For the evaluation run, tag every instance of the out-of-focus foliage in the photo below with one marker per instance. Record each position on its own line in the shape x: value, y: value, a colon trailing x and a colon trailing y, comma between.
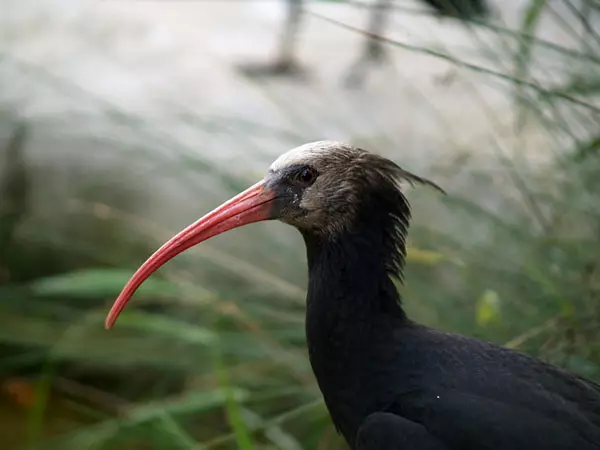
x: 211, y: 352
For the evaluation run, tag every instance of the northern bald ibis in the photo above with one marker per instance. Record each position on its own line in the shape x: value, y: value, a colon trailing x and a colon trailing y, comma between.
x: 285, y: 62
x: 388, y: 382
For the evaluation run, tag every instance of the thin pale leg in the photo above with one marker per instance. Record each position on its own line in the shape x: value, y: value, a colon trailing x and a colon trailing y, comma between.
x: 373, y: 52
x: 285, y: 62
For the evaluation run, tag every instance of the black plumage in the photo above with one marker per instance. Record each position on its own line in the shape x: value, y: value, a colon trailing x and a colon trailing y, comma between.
x: 462, y: 9
x: 388, y: 382
x: 369, y: 357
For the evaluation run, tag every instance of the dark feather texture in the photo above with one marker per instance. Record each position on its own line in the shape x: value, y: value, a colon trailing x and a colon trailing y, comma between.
x: 462, y: 9
x: 447, y: 391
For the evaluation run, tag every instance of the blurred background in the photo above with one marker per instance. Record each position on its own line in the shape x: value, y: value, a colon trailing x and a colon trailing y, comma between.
x: 122, y: 121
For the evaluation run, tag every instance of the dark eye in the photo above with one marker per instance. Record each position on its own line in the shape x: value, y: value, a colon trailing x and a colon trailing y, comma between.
x: 306, y: 176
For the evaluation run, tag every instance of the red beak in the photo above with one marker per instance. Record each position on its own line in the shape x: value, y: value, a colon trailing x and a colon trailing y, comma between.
x: 252, y: 205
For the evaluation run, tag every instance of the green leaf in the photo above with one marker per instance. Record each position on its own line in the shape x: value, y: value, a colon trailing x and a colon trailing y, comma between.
x: 523, y: 56
x: 426, y: 257
x: 167, y: 326
x: 234, y: 411
x: 158, y: 414
x: 589, y: 148
x: 94, y: 283
x: 488, y: 308
x: 273, y: 432
x: 193, y: 402
x: 582, y: 85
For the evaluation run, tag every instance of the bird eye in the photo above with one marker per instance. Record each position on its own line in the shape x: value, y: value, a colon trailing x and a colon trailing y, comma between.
x: 306, y: 176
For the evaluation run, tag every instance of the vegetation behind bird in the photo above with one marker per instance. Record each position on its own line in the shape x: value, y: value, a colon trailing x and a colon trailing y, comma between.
x: 214, y: 353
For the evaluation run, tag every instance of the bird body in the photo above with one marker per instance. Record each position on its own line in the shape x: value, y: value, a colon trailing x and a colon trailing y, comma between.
x: 463, y: 9
x: 369, y: 357
x: 388, y: 382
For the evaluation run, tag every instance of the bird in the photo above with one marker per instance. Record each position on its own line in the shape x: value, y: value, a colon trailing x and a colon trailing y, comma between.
x: 285, y: 63
x: 389, y: 382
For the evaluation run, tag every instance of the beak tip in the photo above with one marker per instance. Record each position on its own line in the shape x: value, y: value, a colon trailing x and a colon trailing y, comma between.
x: 251, y: 205
x: 109, y: 322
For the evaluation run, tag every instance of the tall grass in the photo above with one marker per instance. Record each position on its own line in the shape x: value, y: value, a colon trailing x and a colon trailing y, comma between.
x: 211, y: 353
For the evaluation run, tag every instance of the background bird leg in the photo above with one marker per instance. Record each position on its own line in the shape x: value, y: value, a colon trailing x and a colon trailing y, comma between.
x: 373, y: 52
x: 285, y: 62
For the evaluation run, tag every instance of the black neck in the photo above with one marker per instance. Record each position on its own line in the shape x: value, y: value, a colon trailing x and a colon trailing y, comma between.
x: 350, y: 274
x: 352, y: 307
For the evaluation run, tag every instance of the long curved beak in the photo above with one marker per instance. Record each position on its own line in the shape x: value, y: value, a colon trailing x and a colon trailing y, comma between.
x: 252, y: 205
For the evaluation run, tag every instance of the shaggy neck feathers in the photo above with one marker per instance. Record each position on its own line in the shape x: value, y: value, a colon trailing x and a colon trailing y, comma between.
x: 351, y: 272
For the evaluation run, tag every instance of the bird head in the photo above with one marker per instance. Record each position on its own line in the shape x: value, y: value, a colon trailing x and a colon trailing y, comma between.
x: 321, y: 188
